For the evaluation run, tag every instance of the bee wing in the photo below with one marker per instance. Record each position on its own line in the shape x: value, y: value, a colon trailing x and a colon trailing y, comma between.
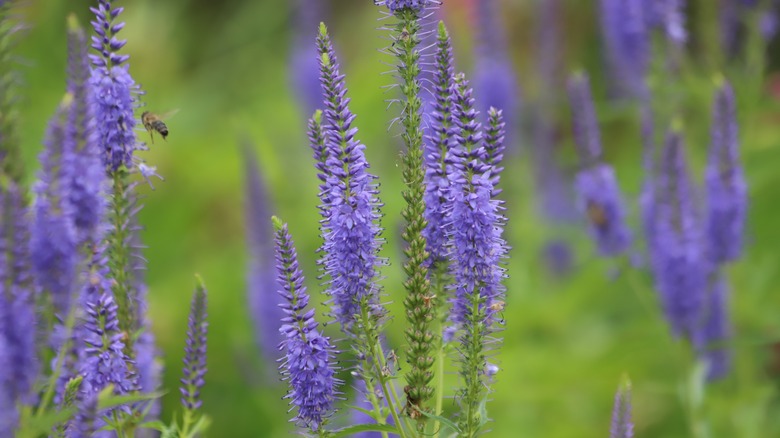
x: 169, y: 114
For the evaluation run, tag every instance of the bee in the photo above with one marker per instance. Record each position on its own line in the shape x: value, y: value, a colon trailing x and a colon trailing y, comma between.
x: 596, y: 214
x: 497, y: 306
x: 152, y: 122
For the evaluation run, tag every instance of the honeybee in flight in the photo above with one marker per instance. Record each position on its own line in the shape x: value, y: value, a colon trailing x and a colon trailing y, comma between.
x: 596, y: 214
x: 152, y: 122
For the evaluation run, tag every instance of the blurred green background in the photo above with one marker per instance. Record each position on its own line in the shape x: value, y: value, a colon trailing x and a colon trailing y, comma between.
x: 225, y: 65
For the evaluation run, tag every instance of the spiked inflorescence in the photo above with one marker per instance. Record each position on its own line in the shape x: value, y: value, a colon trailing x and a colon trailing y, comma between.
x: 195, y: 351
x: 599, y: 195
x: 622, y: 426
x: 627, y: 41
x: 350, y: 206
x: 419, y: 310
x: 478, y: 248
x: 308, y: 355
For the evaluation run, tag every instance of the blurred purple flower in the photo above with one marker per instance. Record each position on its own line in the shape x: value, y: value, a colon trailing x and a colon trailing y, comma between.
x: 437, y: 146
x: 53, y: 238
x: 112, y: 89
x: 596, y: 185
x: 308, y: 361
x: 727, y: 196
x: 83, y: 425
x: 679, y: 261
x: 717, y: 330
x: 304, y: 67
x: 360, y: 417
x: 261, y: 286
x: 559, y: 257
x: 495, y: 80
x: 622, y: 426
x: 195, y: 351
x: 351, y: 207
x: 82, y: 161
x: 627, y: 43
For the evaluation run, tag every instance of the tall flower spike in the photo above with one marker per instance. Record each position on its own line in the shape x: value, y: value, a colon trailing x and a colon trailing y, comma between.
x: 261, y: 284
x: 82, y: 160
x: 627, y: 42
x: 308, y: 361
x: 195, y: 351
x: 53, y: 239
x: 413, y: 5
x: 495, y: 145
x: 478, y: 248
x: 420, y: 312
x: 679, y: 260
x: 351, y: 229
x: 595, y: 182
x: 622, y: 426
x: 495, y: 80
x: 727, y: 197
x: 437, y: 147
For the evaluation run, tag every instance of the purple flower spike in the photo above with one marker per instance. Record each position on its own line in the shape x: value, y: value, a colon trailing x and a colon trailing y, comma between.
x: 53, y: 238
x: 627, y: 42
x: 308, y: 361
x: 112, y: 90
x: 105, y: 362
x: 17, y: 304
x: 727, y: 197
x: 415, y: 5
x: 84, y: 423
x: 195, y: 351
x: 495, y: 81
x: 350, y: 204
x: 261, y: 283
x: 679, y: 261
x: 477, y: 223
x: 717, y: 330
x: 304, y: 69
x: 596, y: 185
x: 82, y: 160
x: 622, y: 426
x: 437, y: 147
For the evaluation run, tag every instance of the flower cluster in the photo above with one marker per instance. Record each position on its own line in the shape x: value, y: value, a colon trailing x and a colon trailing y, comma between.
x: 195, y: 351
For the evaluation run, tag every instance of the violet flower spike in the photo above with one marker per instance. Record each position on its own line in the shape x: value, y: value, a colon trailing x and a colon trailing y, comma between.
x: 717, y: 330
x: 195, y: 351
x: 627, y: 42
x: 679, y: 261
x: 727, y: 196
x: 622, y: 426
x: 596, y: 185
x: 112, y: 89
x: 304, y: 68
x: 53, y: 238
x: 351, y: 230
x: 417, y: 5
x: 261, y: 280
x: 308, y: 361
x: 437, y: 147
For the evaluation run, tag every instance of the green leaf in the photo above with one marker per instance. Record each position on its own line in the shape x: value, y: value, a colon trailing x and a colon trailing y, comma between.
x: 43, y: 424
x: 350, y: 430
x: 446, y: 422
x: 107, y: 401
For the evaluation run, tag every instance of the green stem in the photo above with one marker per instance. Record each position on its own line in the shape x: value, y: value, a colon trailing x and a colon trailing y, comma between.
x: 119, y: 256
x: 437, y: 287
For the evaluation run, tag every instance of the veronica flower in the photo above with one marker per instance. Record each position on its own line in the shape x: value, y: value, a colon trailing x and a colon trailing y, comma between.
x: 437, y: 147
x: 261, y: 285
x: 622, y: 426
x: 303, y: 62
x: 627, y: 42
x: 351, y: 230
x: 679, y: 260
x: 19, y: 365
x: 495, y: 81
x: 669, y: 15
x: 53, y: 237
x: 596, y: 185
x: 726, y: 187
x: 84, y: 423
x: 11, y: 165
x: 195, y: 351
x: 86, y: 187
x: 416, y: 5
x: 477, y: 251
x: 308, y: 361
